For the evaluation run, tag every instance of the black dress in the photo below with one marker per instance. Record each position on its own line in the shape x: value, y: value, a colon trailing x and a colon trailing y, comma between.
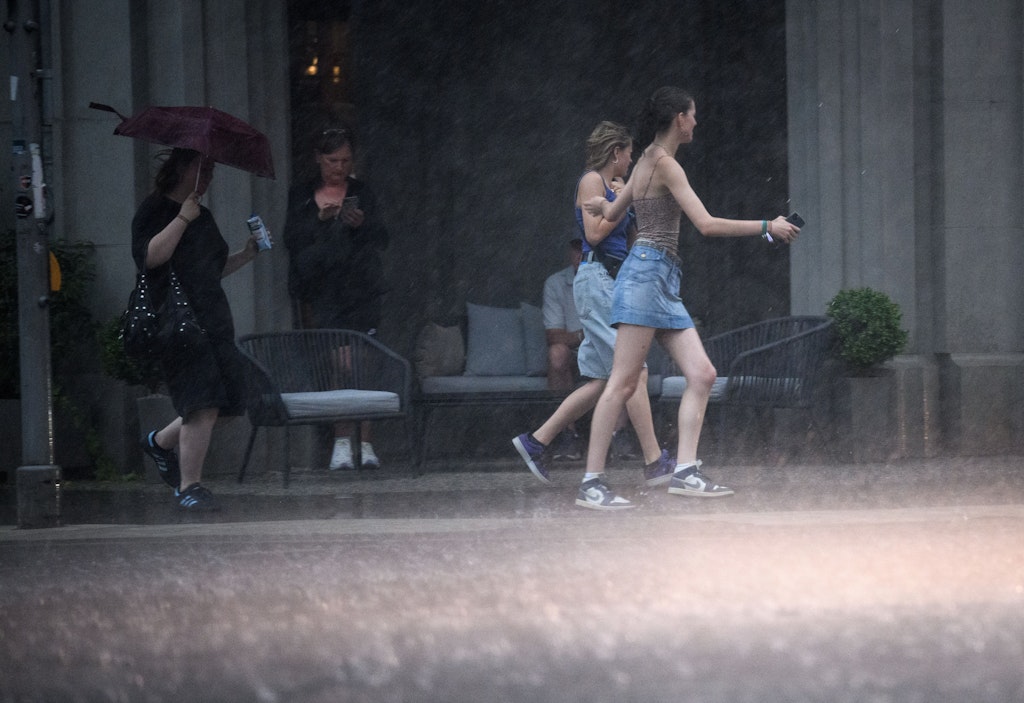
x: 336, y: 270
x: 213, y: 375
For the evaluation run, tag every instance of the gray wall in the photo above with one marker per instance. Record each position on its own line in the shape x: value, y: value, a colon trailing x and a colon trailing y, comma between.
x: 907, y: 143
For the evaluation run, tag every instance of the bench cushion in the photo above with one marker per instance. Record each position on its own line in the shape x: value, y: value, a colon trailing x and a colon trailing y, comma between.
x: 340, y: 402
x: 482, y: 384
x: 439, y: 351
x: 495, y: 343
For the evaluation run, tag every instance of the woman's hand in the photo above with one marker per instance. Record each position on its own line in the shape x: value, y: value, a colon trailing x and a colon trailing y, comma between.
x: 595, y: 206
x: 783, y: 230
x: 353, y: 217
x: 252, y: 245
x: 329, y: 211
x: 190, y: 207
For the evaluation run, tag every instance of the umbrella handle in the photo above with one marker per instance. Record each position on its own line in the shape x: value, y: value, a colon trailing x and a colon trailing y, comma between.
x: 106, y: 108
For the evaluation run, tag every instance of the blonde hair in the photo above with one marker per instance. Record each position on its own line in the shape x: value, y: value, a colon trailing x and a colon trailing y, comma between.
x: 603, y: 141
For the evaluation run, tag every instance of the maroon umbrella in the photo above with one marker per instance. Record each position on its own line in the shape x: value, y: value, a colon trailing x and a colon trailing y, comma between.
x: 214, y: 134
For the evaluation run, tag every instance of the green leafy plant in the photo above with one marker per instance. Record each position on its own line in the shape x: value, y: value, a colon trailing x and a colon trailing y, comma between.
x: 70, y: 319
x: 71, y: 328
x: 867, y: 327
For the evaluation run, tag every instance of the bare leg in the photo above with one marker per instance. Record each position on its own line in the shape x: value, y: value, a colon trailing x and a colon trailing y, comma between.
x: 686, y: 349
x: 347, y: 429
x: 576, y: 405
x: 194, y: 441
x: 639, y: 408
x: 561, y: 367
x: 168, y: 437
x: 631, y: 346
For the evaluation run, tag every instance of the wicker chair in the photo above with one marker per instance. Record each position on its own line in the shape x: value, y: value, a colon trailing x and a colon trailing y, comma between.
x: 312, y: 377
x: 770, y: 364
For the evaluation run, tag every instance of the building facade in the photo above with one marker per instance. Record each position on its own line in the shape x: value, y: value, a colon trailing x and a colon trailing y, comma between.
x: 901, y: 127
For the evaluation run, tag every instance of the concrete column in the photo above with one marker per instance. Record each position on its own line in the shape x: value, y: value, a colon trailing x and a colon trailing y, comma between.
x: 906, y: 152
x: 851, y: 114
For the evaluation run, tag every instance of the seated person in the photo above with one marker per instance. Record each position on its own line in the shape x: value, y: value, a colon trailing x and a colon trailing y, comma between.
x: 564, y: 335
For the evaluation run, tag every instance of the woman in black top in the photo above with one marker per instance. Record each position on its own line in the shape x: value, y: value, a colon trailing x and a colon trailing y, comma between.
x: 335, y: 275
x: 172, y: 230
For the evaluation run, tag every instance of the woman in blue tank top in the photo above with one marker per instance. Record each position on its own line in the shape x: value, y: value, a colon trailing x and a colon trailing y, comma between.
x: 605, y: 244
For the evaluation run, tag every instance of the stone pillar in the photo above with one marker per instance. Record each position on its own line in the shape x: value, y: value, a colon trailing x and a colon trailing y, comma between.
x: 906, y: 133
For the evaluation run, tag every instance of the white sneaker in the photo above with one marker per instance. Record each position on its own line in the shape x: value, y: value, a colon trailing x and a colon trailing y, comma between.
x: 341, y: 457
x: 370, y: 460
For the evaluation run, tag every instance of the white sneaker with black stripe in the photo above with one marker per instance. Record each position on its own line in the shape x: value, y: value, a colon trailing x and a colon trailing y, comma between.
x: 689, y: 481
x: 596, y: 495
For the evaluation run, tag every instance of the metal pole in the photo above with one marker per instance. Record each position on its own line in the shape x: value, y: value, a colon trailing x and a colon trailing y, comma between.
x: 38, y: 479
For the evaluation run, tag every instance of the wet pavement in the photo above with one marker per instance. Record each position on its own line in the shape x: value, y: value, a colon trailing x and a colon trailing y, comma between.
x: 474, y: 582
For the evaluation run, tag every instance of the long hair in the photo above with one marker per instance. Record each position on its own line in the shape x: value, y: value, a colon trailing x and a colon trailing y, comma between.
x: 175, y: 162
x: 659, y: 111
x: 603, y: 141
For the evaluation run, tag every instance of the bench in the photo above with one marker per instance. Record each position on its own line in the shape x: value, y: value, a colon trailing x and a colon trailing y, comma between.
x: 496, y: 357
x: 768, y: 365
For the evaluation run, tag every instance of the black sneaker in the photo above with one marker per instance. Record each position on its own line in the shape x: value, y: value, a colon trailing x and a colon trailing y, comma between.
x: 567, y: 447
x: 660, y: 470
x: 691, y: 482
x: 165, y: 459
x: 196, y: 498
x: 532, y: 452
x: 596, y: 495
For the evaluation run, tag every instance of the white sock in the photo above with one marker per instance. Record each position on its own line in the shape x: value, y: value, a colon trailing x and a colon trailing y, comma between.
x: 589, y: 476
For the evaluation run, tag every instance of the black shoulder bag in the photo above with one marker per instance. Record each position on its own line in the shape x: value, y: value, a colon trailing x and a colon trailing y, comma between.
x: 148, y: 333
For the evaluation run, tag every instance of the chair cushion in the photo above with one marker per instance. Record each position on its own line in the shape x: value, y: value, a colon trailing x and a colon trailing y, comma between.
x: 495, y: 344
x: 340, y: 402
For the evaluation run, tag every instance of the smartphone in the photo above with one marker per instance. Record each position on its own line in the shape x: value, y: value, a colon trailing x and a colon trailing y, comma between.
x: 795, y: 219
x: 352, y: 203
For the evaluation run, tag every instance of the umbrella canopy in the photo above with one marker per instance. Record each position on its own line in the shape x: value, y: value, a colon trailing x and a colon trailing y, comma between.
x: 213, y: 133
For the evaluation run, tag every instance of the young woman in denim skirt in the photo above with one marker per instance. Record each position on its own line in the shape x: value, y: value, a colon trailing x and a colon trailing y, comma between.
x: 646, y: 300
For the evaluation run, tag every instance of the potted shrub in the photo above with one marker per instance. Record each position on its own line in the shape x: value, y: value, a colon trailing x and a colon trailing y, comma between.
x: 867, y: 333
x: 867, y: 328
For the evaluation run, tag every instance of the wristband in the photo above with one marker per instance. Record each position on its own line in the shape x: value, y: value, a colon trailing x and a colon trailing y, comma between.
x: 764, y: 231
x: 183, y: 219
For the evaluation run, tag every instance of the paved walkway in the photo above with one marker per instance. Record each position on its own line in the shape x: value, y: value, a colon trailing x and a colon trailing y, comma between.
x: 900, y: 582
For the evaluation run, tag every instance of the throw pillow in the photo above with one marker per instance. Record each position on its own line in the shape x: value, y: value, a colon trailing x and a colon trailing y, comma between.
x: 535, y: 339
x: 495, y: 342
x: 439, y: 351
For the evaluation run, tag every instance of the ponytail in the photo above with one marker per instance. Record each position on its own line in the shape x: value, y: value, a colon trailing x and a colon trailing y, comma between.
x: 658, y: 112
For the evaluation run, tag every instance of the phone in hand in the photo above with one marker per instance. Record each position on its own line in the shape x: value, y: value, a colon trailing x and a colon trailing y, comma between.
x: 352, y: 203
x: 795, y: 219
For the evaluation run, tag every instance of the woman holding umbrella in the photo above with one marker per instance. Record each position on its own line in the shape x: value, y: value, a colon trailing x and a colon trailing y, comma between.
x: 171, y: 230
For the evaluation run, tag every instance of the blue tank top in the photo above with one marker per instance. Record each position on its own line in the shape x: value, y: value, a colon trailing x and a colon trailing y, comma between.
x: 616, y: 243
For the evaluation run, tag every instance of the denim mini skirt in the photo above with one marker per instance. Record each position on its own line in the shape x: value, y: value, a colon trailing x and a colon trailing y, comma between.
x: 647, y: 291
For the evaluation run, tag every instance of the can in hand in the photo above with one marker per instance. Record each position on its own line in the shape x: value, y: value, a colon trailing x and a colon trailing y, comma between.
x: 257, y: 227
